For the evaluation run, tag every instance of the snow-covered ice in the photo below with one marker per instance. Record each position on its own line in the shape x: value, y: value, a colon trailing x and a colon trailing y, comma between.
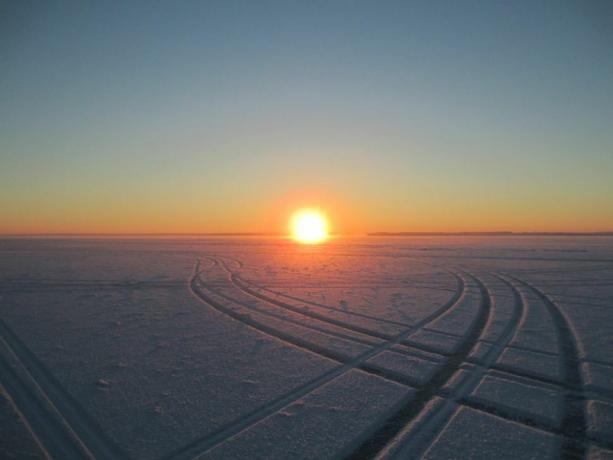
x: 230, y: 348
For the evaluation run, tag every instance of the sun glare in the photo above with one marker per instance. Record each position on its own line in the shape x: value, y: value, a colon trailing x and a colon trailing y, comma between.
x: 309, y: 226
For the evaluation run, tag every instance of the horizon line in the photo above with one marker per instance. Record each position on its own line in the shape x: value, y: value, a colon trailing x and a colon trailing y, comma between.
x: 281, y: 234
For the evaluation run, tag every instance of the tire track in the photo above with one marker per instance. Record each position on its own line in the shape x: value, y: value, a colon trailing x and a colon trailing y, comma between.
x: 443, y: 354
x: 424, y: 347
x: 459, y: 398
x: 303, y: 344
x: 461, y: 288
x: 328, y: 332
x: 530, y: 379
x: 406, y: 283
x: 573, y: 420
x: 320, y: 305
x: 425, y: 396
x: 571, y: 442
x: 58, y: 419
x: 235, y: 279
x: 413, y: 442
x: 310, y: 346
x: 400, y: 378
x: 529, y: 421
x: 333, y: 333
x: 350, y: 327
x: 53, y: 439
x: 201, y: 445
x: 329, y: 307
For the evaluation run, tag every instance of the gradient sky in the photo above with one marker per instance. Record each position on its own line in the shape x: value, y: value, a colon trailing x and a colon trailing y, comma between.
x: 225, y: 116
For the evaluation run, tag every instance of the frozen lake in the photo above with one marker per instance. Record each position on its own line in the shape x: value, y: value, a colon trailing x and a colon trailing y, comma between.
x: 429, y: 347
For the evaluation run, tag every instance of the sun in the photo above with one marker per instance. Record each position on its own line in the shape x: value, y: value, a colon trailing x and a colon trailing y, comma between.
x: 309, y: 226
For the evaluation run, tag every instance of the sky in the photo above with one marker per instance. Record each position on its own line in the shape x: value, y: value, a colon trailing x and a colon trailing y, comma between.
x: 189, y: 117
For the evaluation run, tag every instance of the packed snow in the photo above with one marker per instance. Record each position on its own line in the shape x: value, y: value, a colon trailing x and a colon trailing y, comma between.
x: 243, y: 348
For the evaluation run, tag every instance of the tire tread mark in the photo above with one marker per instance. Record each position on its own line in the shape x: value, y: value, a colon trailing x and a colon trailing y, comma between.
x: 424, y: 434
x: 53, y: 439
x: 529, y: 420
x: 322, y: 330
x: 291, y: 320
x: 320, y: 305
x: 523, y: 419
x: 425, y: 395
x: 90, y: 435
x: 235, y: 279
x: 28, y: 427
x: 201, y: 445
x: 573, y: 420
x: 303, y: 344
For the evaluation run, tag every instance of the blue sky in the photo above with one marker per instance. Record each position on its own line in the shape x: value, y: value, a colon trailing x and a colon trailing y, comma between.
x: 220, y: 116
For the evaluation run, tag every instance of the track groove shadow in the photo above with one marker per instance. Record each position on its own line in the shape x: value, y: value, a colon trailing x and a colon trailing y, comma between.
x: 79, y: 429
x: 201, y: 445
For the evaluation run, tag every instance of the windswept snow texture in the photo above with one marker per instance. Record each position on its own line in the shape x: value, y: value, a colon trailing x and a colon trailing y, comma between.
x: 436, y: 348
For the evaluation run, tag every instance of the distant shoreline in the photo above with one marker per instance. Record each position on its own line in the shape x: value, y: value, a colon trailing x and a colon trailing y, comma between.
x: 490, y: 234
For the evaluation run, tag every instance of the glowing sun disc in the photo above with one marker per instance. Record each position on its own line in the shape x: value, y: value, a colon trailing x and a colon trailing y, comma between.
x: 309, y: 226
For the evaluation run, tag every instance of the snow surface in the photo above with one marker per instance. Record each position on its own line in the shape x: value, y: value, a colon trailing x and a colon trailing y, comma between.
x: 225, y: 348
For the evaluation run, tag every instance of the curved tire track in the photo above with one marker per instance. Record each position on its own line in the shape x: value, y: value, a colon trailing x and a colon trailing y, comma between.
x: 420, y: 437
x: 426, y: 395
x: 461, y: 288
x: 236, y: 280
x: 322, y: 330
x: 574, y: 423
x: 434, y: 388
x: 201, y: 445
x: 315, y: 304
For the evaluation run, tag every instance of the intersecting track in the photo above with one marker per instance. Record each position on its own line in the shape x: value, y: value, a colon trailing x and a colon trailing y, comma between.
x: 248, y: 287
x: 414, y: 438
x: 244, y: 286
x: 238, y: 278
x: 58, y: 421
x: 358, y: 336
x: 201, y: 445
x: 359, y: 332
x: 394, y: 433
x: 306, y: 344
x: 65, y: 431
x: 426, y: 394
x: 353, y: 329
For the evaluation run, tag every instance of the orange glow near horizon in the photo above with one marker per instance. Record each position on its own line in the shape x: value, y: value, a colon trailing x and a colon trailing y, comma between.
x: 309, y: 226
x: 170, y: 210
